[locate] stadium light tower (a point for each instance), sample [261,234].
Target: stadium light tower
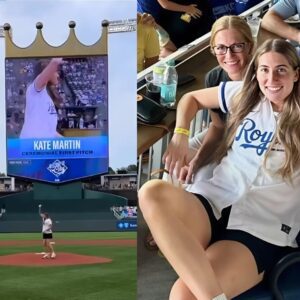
[117,26]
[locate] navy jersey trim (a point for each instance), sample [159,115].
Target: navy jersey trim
[223,96]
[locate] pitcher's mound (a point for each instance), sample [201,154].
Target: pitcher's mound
[61,259]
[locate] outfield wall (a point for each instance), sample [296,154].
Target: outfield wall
[89,212]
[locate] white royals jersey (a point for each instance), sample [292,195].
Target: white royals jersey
[40,119]
[262,203]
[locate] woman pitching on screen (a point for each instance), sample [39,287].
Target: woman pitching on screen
[42,102]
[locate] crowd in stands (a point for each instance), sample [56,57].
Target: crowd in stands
[90,91]
[124,212]
[107,186]
[2,210]
[19,187]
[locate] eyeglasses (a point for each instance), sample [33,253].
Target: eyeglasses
[234,48]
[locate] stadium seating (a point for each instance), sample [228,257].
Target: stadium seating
[282,284]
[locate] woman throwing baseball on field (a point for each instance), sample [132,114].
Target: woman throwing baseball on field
[47,236]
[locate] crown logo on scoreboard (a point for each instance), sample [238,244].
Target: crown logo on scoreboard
[71,47]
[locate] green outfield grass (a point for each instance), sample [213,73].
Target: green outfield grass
[112,281]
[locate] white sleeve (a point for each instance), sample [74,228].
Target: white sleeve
[226,92]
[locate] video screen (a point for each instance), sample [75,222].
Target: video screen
[57,117]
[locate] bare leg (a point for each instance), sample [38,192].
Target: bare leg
[234,266]
[53,255]
[45,244]
[180,291]
[181,228]
[236,274]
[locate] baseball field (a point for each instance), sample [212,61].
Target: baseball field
[88,266]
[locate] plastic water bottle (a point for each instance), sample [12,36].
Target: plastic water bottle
[158,74]
[169,86]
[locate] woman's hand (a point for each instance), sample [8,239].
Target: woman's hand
[187,172]
[57,60]
[176,154]
[193,11]
[194,166]
[183,173]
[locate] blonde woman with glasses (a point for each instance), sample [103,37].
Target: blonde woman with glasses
[232,44]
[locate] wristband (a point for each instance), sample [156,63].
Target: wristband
[182,131]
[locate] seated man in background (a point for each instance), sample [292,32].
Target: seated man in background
[151,36]
[273,20]
[183,20]
[147,43]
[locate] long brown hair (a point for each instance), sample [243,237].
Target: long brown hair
[287,131]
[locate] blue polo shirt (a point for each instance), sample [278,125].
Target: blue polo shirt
[286,8]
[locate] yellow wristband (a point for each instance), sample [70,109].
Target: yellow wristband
[182,131]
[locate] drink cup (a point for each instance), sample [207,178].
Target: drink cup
[152,90]
[168,94]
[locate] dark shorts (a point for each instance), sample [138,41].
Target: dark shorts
[265,254]
[47,236]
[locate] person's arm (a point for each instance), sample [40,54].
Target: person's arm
[44,77]
[40,210]
[190,9]
[273,22]
[148,43]
[151,48]
[176,154]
